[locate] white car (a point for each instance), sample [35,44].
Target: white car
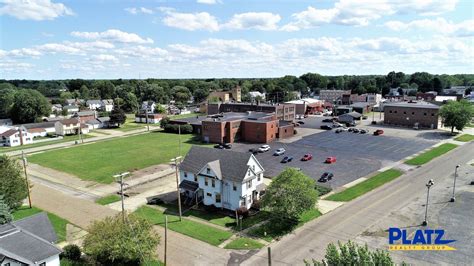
[278,152]
[264,148]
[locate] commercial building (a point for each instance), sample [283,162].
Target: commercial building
[416,114]
[221,178]
[234,95]
[332,95]
[228,127]
[285,112]
[307,106]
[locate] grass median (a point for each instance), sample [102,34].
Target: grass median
[59,224]
[108,199]
[244,243]
[431,154]
[366,186]
[465,138]
[100,161]
[205,233]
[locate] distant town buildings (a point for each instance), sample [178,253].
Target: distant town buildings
[234,95]
[332,95]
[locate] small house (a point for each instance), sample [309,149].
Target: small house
[15,136]
[67,126]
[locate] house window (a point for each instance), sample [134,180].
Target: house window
[209,195]
[253,168]
[432,114]
[390,111]
[234,186]
[404,113]
[7,264]
[248,173]
[249,183]
[243,202]
[218,197]
[395,111]
[185,174]
[195,178]
[206,181]
[259,177]
[43,264]
[413,113]
[425,114]
[213,182]
[208,170]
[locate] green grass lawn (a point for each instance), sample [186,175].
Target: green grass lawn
[100,161]
[40,144]
[465,138]
[366,186]
[206,233]
[431,154]
[244,243]
[59,224]
[270,231]
[108,199]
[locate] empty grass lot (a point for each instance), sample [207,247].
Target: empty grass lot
[431,154]
[206,233]
[366,186]
[59,224]
[244,243]
[108,199]
[40,144]
[100,161]
[465,138]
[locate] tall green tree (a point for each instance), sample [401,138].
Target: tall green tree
[117,116]
[351,253]
[181,94]
[5,214]
[12,183]
[113,242]
[289,195]
[28,106]
[457,114]
[7,98]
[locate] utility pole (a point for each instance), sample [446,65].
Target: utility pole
[120,181]
[176,163]
[428,186]
[147,124]
[179,140]
[453,198]
[166,236]
[26,177]
[269,250]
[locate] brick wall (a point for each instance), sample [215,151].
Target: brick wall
[408,116]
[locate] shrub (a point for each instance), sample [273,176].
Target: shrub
[243,211]
[256,204]
[174,128]
[71,252]
[322,190]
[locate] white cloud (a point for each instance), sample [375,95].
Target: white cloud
[104,58]
[191,21]
[362,12]
[254,20]
[464,28]
[139,10]
[55,48]
[34,9]
[208,2]
[113,35]
[142,52]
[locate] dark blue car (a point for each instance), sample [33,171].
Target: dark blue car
[287,159]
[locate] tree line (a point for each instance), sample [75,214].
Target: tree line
[129,93]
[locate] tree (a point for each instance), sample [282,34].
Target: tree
[5,215]
[29,105]
[12,184]
[315,81]
[289,195]
[7,98]
[117,116]
[352,254]
[164,122]
[111,241]
[160,109]
[181,94]
[457,114]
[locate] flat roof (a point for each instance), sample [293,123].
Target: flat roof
[413,104]
[224,117]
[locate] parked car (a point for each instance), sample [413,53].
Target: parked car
[326,177]
[327,120]
[336,124]
[300,122]
[355,130]
[338,130]
[326,127]
[279,152]
[253,150]
[344,129]
[287,159]
[363,131]
[331,159]
[378,132]
[228,146]
[364,117]
[307,157]
[351,124]
[264,148]
[219,146]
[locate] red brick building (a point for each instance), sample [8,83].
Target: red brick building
[285,112]
[411,114]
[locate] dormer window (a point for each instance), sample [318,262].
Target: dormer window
[248,173]
[253,168]
[208,170]
[185,174]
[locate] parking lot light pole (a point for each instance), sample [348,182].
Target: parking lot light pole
[453,198]
[428,186]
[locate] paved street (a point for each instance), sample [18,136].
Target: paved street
[353,218]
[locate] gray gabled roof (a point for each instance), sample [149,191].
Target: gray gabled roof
[104,119]
[23,240]
[233,165]
[99,102]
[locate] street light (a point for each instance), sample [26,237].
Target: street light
[119,179]
[453,198]
[428,186]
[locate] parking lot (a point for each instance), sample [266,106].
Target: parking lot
[357,154]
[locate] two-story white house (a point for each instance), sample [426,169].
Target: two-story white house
[70,126]
[223,178]
[105,105]
[15,136]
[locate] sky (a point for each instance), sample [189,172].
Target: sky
[110,39]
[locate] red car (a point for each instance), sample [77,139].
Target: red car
[307,157]
[331,159]
[378,132]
